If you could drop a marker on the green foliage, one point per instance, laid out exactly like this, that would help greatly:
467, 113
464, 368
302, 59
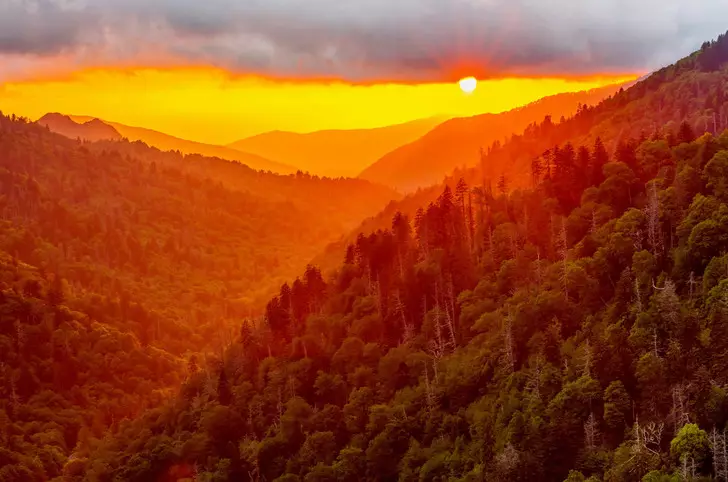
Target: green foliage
460, 377
64, 377
118, 263
690, 443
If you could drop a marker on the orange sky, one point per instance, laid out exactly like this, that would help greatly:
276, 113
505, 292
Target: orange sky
208, 105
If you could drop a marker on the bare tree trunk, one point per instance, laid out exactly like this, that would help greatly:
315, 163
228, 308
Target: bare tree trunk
720, 454
587, 360
679, 412
450, 311
591, 432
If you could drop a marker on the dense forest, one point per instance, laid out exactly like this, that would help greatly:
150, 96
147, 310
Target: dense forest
568, 328
65, 376
562, 319
121, 266
128, 221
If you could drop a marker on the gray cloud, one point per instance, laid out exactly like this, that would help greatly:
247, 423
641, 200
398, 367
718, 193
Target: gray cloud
360, 40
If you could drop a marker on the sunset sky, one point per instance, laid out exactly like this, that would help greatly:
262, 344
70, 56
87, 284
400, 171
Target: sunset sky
219, 70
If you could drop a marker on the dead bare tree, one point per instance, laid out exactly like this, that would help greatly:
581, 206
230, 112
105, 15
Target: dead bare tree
648, 437
638, 295
591, 432
687, 468
692, 283
407, 328
450, 312
431, 397
720, 454
679, 412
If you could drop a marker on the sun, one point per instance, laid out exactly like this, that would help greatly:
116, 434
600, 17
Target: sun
468, 84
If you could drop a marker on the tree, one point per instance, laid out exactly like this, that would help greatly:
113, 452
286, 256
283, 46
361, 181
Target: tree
690, 446
503, 184
716, 175
224, 394
617, 407
685, 133
600, 158
56, 291
319, 447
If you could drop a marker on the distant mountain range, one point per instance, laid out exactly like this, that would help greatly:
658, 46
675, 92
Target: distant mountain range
93, 129
457, 142
344, 152
404, 156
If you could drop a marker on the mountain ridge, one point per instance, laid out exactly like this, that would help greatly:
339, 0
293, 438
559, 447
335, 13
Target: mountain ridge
167, 142
335, 152
92, 130
457, 141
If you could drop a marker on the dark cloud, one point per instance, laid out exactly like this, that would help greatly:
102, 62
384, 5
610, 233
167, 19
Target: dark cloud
359, 40
42, 27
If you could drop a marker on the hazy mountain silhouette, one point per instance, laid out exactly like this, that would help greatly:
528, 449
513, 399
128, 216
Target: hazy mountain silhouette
91, 130
339, 152
168, 142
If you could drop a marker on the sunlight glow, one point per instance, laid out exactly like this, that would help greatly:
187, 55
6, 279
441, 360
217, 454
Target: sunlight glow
468, 84
213, 106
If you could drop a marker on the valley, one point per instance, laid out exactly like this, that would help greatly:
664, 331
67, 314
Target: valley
534, 293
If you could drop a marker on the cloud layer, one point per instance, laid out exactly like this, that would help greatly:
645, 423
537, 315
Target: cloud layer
358, 40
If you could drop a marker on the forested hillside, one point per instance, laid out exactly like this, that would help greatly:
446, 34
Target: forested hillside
569, 331
66, 372
127, 220
341, 202
121, 266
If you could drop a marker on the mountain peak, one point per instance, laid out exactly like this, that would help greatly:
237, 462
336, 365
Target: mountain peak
93, 130
54, 116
